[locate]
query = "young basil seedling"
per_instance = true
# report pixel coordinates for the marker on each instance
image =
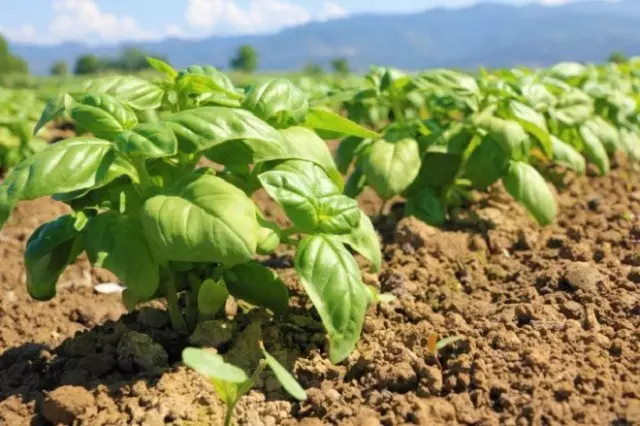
(232, 383)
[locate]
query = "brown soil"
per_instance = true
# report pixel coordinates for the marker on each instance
(550, 321)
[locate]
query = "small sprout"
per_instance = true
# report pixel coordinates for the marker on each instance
(435, 346)
(232, 383)
(381, 297)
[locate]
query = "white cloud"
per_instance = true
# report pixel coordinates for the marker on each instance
(258, 16)
(25, 33)
(83, 20)
(332, 10)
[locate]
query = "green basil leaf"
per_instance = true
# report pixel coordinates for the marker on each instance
(390, 167)
(427, 206)
(213, 366)
(509, 134)
(529, 188)
(295, 194)
(331, 278)
(162, 67)
(288, 382)
(203, 128)
(103, 115)
(201, 218)
(573, 108)
(258, 285)
(278, 102)
(67, 166)
(566, 155)
(137, 93)
(346, 152)
(49, 250)
(148, 141)
(355, 183)
(533, 123)
(605, 132)
(215, 80)
(438, 169)
(337, 214)
(116, 242)
(323, 119)
(486, 164)
(54, 109)
(268, 235)
(594, 150)
(364, 239)
(630, 143)
(212, 297)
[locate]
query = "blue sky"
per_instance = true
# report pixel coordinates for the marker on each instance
(111, 21)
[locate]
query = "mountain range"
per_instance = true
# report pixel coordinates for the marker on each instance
(488, 34)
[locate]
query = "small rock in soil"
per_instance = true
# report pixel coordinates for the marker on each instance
(153, 318)
(398, 377)
(582, 276)
(571, 309)
(65, 404)
(138, 352)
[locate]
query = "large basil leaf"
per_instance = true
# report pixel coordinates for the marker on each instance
(49, 250)
(278, 102)
(630, 143)
(117, 243)
(201, 218)
(312, 205)
(486, 164)
(331, 278)
(594, 150)
(139, 94)
(323, 119)
(438, 169)
(565, 155)
(533, 123)
(203, 128)
(529, 188)
(573, 108)
(390, 167)
(605, 132)
(103, 115)
(258, 285)
(148, 141)
(70, 165)
(426, 206)
(364, 239)
(509, 134)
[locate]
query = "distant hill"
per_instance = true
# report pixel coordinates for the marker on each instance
(492, 35)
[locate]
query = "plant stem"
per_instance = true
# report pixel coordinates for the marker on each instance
(229, 413)
(177, 321)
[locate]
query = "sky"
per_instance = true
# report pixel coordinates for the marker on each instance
(115, 21)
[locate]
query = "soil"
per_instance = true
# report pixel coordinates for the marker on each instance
(549, 317)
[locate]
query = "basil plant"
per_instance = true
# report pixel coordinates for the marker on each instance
(144, 210)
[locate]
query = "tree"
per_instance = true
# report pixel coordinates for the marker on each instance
(312, 69)
(60, 68)
(87, 64)
(246, 59)
(10, 63)
(340, 65)
(618, 57)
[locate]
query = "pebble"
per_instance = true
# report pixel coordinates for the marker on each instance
(582, 276)
(66, 404)
(571, 309)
